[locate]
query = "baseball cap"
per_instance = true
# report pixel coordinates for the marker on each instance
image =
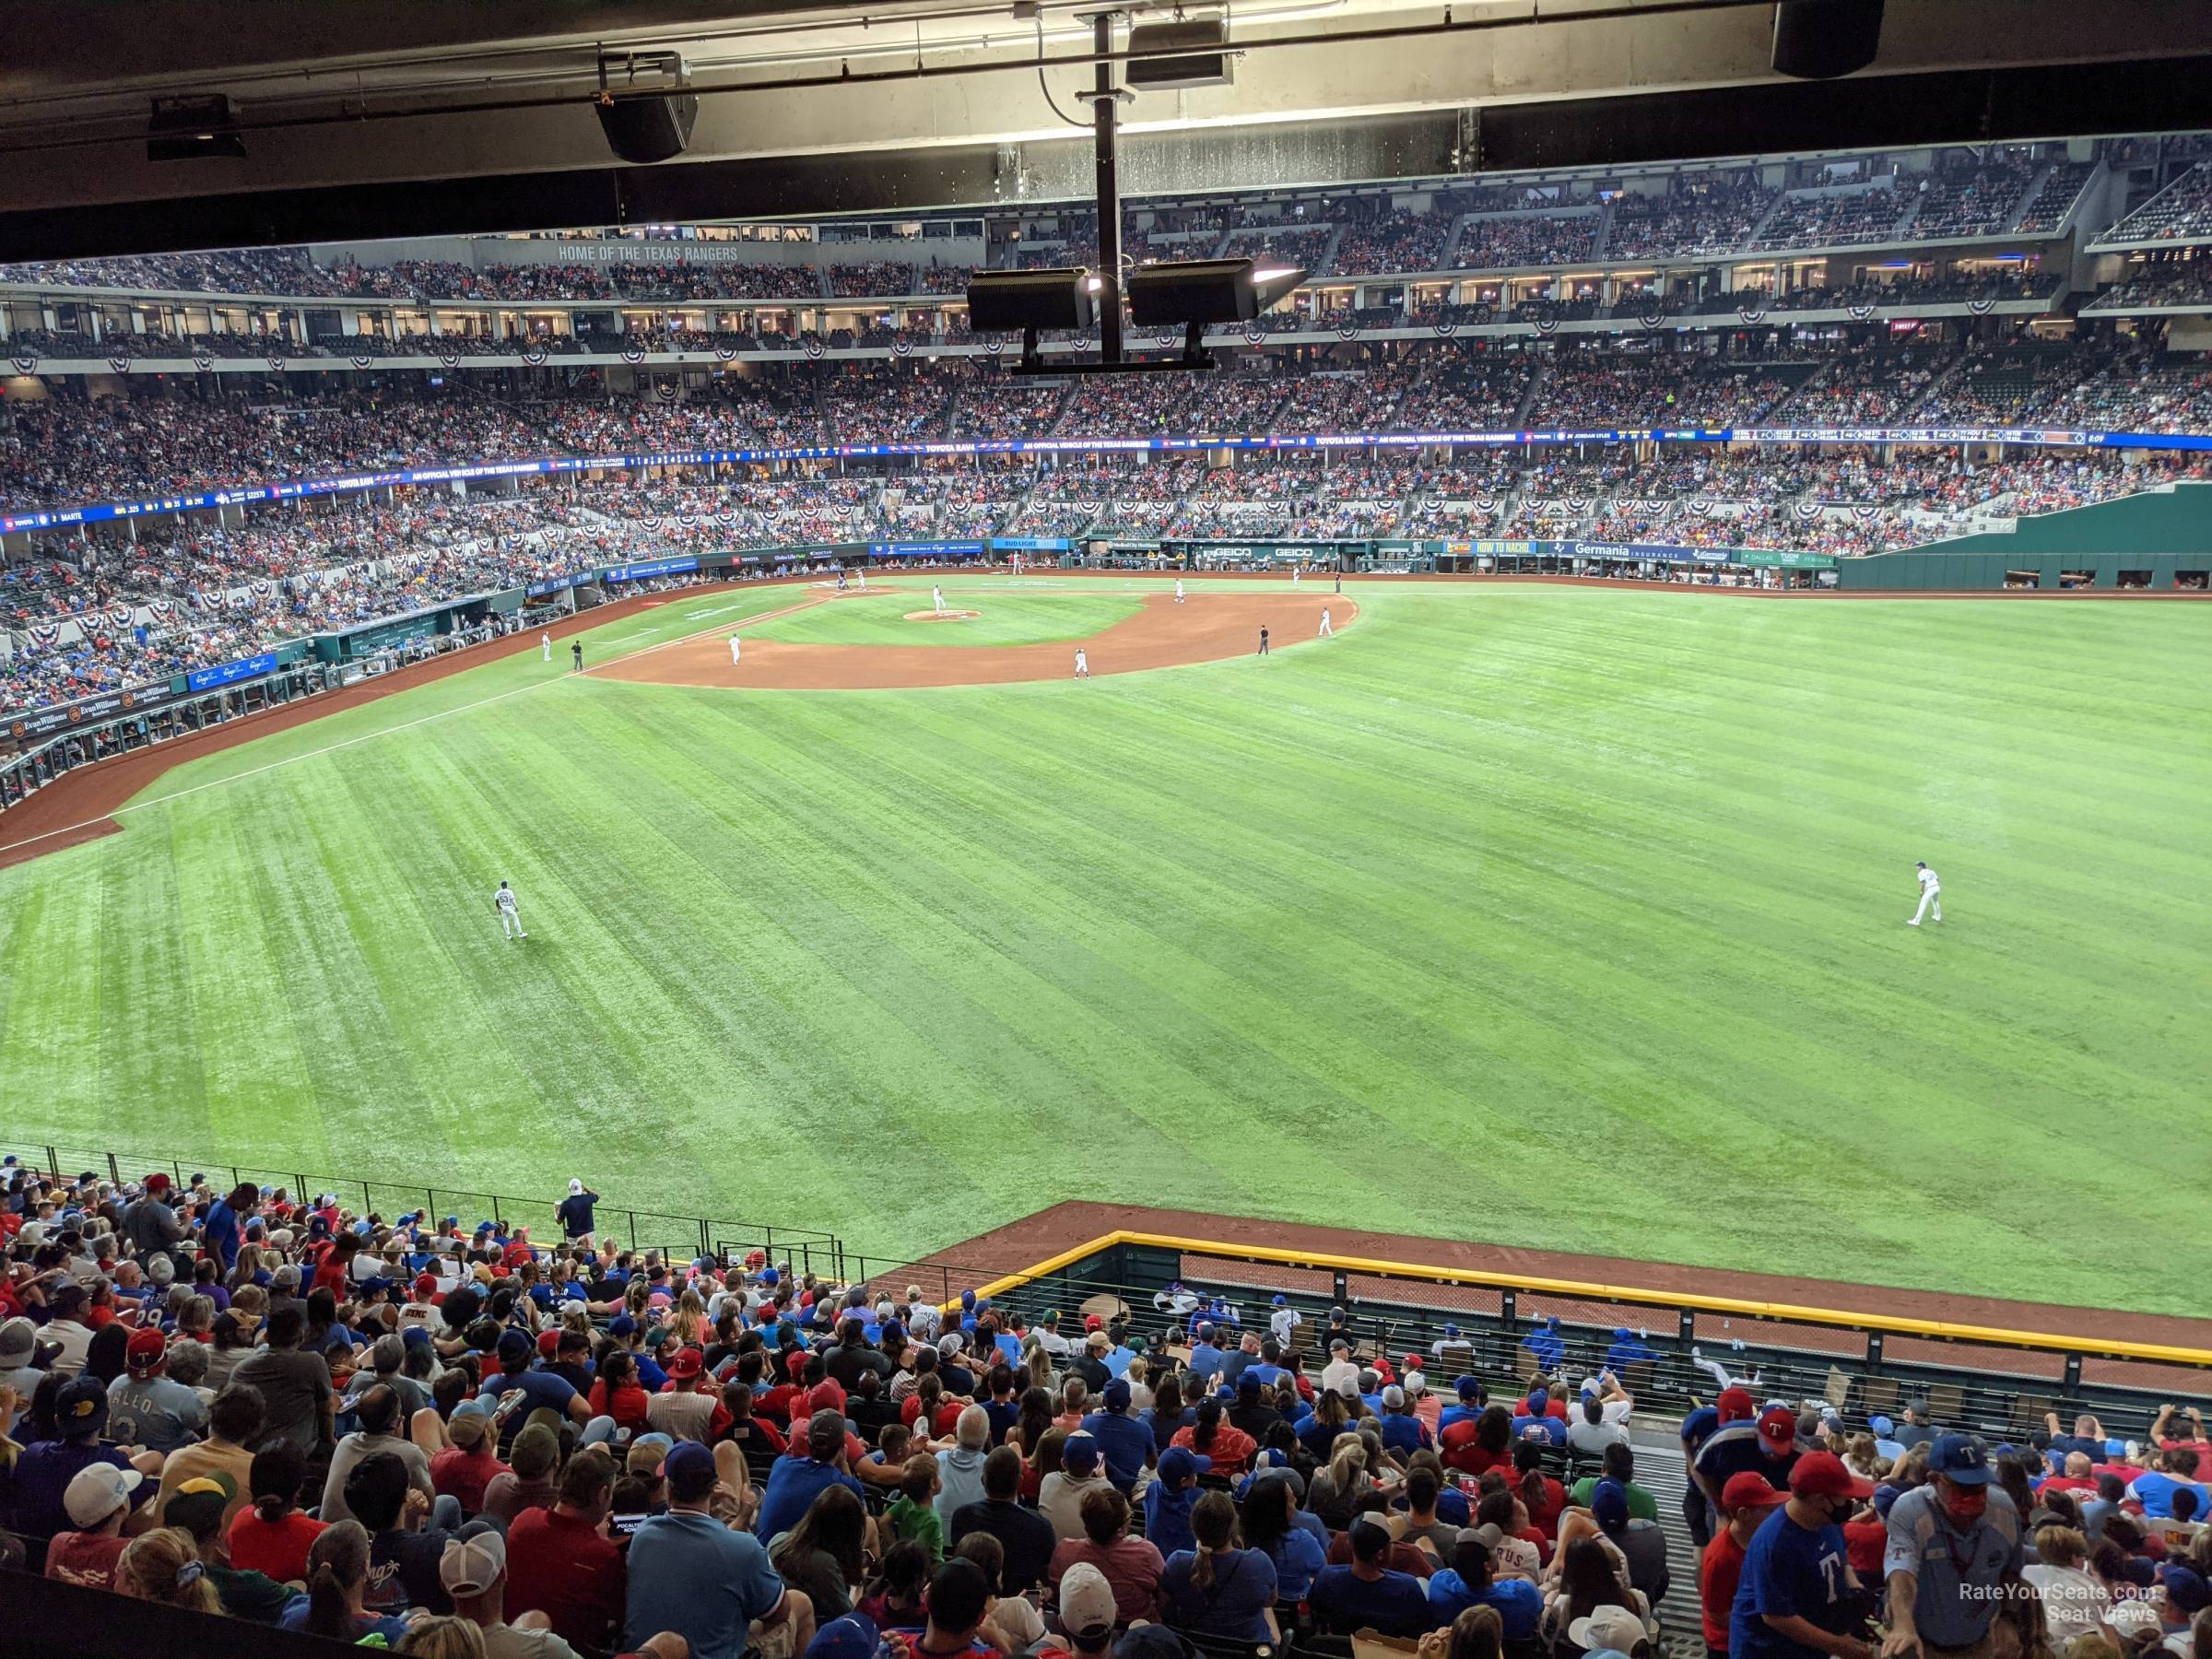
(575, 1186)
(97, 1491)
(1883, 1427)
(1080, 1452)
(687, 1364)
(426, 1284)
(1177, 1464)
(1733, 1405)
(1607, 1626)
(472, 1565)
(1958, 1458)
(2185, 1588)
(1822, 1474)
(852, 1636)
(197, 1505)
(1609, 1506)
(18, 1340)
(514, 1350)
(1281, 1301)
(687, 1464)
(1150, 1641)
(1248, 1383)
(1394, 1398)
(1748, 1489)
(145, 1350)
(1778, 1428)
(1117, 1395)
(1466, 1388)
(82, 1408)
(1539, 1401)
(1087, 1607)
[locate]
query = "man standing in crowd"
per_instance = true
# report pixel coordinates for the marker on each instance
(1746, 1501)
(297, 1404)
(1767, 1446)
(574, 1212)
(1955, 1551)
(1794, 1597)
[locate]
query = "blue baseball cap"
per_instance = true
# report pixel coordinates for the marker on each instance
(851, 1637)
(1467, 1388)
(1883, 1427)
(2185, 1588)
(1451, 1330)
(1609, 1506)
(1179, 1463)
(1281, 1301)
(1958, 1458)
(622, 1325)
(689, 1458)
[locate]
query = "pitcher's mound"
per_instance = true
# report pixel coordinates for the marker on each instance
(950, 615)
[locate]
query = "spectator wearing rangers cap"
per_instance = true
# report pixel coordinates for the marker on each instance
(1767, 1446)
(1955, 1549)
(146, 1407)
(1795, 1594)
(1747, 1499)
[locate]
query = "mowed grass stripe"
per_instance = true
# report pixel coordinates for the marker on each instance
(1523, 913)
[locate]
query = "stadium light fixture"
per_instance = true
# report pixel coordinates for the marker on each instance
(1203, 291)
(1061, 297)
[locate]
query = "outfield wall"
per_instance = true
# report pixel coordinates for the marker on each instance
(2164, 533)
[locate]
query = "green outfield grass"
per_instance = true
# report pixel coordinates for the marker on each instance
(1560, 918)
(1029, 615)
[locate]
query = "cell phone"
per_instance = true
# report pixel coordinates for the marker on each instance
(627, 1524)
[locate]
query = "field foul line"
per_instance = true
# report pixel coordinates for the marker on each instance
(331, 749)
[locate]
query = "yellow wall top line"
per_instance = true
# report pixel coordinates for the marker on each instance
(1889, 1324)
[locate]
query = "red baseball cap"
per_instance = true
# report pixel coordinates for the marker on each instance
(1735, 1404)
(548, 1341)
(1749, 1491)
(156, 1182)
(1778, 1428)
(1822, 1474)
(1092, 1321)
(426, 1284)
(687, 1364)
(145, 1349)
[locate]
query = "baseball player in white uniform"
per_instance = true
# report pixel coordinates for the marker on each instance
(1179, 590)
(1327, 628)
(1082, 664)
(734, 650)
(936, 597)
(1931, 894)
(863, 580)
(545, 641)
(1296, 571)
(510, 919)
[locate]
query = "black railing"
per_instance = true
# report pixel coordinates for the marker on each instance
(679, 1237)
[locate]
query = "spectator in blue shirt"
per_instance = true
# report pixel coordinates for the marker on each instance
(1796, 1588)
(1627, 1349)
(1271, 1520)
(1369, 1592)
(1123, 1442)
(1171, 1497)
(803, 1473)
(535, 1390)
(690, 1573)
(2154, 1489)
(1545, 1343)
(1471, 1398)
(220, 1233)
(1402, 1431)
(1470, 1582)
(1217, 1589)
(1205, 1358)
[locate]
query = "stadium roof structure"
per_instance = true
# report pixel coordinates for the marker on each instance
(368, 120)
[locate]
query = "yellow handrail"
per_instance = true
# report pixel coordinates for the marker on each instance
(1932, 1329)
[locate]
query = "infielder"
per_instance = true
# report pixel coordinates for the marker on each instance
(1082, 665)
(1296, 571)
(1179, 590)
(1931, 893)
(1263, 651)
(1326, 629)
(545, 643)
(510, 919)
(734, 650)
(576, 649)
(936, 597)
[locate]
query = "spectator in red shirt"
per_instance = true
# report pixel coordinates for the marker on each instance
(1542, 1496)
(271, 1536)
(1477, 1444)
(562, 1563)
(1228, 1446)
(1746, 1501)
(617, 1393)
(466, 1467)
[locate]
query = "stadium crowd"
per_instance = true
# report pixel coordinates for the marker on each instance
(450, 1437)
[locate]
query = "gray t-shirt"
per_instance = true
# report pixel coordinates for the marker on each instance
(357, 1446)
(157, 1413)
(293, 1386)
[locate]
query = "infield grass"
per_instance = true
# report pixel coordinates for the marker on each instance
(1566, 919)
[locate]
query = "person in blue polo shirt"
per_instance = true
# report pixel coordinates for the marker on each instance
(1123, 1442)
(1471, 1398)
(690, 1573)
(1402, 1431)
(1369, 1592)
(1954, 1551)
(1532, 1419)
(1796, 1588)
(803, 1473)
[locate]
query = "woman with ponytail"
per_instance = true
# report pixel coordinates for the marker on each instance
(1218, 1589)
(270, 1535)
(162, 1566)
(338, 1578)
(1540, 1495)
(1228, 1445)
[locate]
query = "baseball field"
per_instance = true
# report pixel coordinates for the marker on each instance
(1567, 918)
